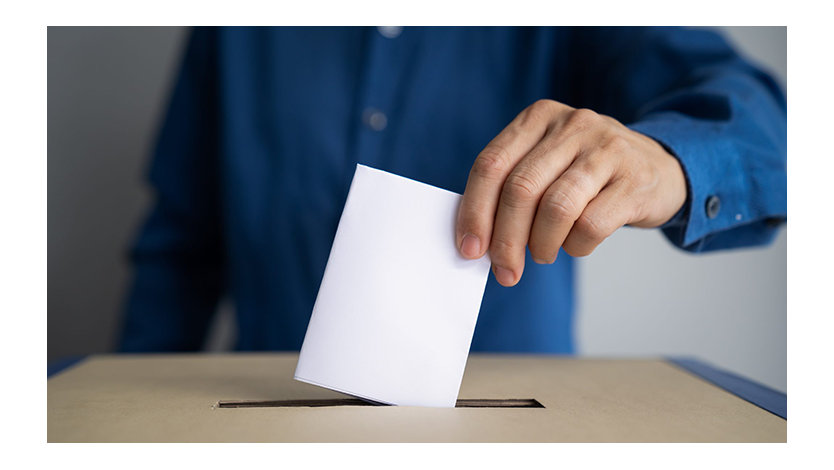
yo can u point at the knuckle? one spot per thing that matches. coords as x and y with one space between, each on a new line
590 163
582 118
560 206
563 201
491 163
590 227
578 180
540 111
617 144
543 104
520 189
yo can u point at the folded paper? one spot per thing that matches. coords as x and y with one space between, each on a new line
397 306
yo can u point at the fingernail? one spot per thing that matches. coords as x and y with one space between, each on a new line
470 246
541 261
504 276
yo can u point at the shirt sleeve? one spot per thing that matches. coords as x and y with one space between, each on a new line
177 256
721 117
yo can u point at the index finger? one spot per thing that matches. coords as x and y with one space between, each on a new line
486 178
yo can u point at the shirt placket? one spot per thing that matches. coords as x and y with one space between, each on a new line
374 108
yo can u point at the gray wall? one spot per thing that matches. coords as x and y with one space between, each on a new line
638 296
106 91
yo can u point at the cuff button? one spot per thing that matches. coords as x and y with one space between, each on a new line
713 206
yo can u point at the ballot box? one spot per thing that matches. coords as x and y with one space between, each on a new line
503 398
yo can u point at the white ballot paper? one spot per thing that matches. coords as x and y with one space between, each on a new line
397 306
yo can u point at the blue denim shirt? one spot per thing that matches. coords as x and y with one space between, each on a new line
265 126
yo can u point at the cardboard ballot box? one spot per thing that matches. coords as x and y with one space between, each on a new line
503 398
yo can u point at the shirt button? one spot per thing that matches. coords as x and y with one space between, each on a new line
375 119
390 32
713 206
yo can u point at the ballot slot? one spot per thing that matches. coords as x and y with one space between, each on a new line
461 403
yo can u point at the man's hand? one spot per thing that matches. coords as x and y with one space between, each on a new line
563 177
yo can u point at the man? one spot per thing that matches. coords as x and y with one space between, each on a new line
577 132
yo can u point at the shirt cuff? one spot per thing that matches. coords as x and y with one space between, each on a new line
714 177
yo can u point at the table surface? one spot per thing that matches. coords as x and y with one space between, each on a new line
174 398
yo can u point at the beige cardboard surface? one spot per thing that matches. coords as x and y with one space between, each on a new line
173 398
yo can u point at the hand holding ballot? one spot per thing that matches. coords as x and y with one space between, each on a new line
560 177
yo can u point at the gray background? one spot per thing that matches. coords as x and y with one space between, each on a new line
638 296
